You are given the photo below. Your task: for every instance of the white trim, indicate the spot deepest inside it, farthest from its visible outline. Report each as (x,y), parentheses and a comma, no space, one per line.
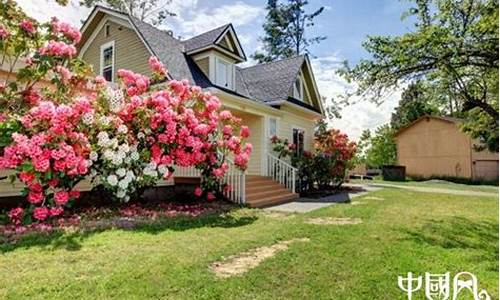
(299,128)
(235,39)
(246,103)
(218,48)
(315,87)
(229,69)
(98,29)
(296,106)
(119,16)
(101,58)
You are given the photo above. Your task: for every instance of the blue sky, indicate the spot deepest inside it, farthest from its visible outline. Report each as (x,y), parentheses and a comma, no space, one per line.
(346,23)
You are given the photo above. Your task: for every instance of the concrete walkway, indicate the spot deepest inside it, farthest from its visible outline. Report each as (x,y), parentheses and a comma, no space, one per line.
(432,190)
(303,205)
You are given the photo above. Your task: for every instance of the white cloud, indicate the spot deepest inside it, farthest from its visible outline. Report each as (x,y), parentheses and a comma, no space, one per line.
(195,21)
(44,10)
(358,116)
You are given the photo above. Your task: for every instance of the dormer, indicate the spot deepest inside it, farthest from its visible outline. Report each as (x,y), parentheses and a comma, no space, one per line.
(303,88)
(216,53)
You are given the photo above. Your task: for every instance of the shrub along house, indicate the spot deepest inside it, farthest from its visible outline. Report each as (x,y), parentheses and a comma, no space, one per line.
(435,146)
(277,98)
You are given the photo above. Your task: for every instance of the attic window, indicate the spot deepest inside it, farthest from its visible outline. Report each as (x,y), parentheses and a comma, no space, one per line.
(224,73)
(107,61)
(298,89)
(107,30)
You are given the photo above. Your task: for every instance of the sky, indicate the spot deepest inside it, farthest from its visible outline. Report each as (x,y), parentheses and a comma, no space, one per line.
(345,23)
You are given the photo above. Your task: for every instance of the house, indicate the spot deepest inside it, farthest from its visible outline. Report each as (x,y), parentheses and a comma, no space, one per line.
(276,98)
(435,146)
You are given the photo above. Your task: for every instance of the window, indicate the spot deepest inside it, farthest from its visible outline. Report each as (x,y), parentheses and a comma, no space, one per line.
(298,140)
(224,74)
(107,30)
(108,61)
(273,128)
(297,89)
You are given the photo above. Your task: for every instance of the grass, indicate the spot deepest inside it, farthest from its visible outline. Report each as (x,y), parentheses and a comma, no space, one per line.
(435,184)
(408,231)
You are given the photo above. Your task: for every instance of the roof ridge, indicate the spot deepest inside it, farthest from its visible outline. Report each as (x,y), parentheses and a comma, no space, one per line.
(275,61)
(214,29)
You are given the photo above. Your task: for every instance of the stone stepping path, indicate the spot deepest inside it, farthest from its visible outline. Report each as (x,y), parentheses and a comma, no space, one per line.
(334,221)
(241,263)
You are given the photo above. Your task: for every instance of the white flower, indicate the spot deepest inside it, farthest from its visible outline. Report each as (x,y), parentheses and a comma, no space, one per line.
(124,147)
(112,180)
(121,194)
(104,120)
(113,143)
(141,135)
(115,99)
(122,129)
(121,172)
(163,169)
(103,135)
(134,155)
(88,118)
(126,199)
(108,154)
(117,160)
(93,156)
(130,174)
(123,184)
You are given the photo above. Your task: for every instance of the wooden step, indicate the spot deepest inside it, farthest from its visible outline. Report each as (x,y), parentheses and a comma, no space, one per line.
(266,194)
(263,187)
(274,200)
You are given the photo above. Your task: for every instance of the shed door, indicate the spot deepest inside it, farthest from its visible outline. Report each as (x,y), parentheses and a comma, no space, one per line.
(486,169)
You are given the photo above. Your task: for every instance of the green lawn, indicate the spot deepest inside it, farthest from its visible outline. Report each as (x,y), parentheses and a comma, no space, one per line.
(408,231)
(440,185)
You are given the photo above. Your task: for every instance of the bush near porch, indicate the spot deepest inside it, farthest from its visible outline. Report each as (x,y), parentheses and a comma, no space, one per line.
(324,169)
(60,124)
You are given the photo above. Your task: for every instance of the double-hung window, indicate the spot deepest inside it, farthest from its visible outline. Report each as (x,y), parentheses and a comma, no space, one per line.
(108,61)
(224,73)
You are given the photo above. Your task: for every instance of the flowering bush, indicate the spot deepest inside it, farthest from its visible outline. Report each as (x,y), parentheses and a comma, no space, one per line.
(326,165)
(61,125)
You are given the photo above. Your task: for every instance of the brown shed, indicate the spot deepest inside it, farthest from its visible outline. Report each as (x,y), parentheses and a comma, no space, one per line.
(435,146)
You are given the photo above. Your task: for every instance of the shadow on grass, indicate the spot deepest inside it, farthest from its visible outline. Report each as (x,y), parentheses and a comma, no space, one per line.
(72,241)
(461,233)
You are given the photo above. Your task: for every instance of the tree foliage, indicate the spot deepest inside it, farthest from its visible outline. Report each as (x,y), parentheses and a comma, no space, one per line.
(379,149)
(155,11)
(285,30)
(454,49)
(415,102)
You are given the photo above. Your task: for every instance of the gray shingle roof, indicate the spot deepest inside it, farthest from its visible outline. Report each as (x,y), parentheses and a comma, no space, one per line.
(272,81)
(205,39)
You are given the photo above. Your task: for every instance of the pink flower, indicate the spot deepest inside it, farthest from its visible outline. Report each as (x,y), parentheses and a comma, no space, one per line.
(26,177)
(198,192)
(54,48)
(218,172)
(35,197)
(56,211)
(4,33)
(241,160)
(244,131)
(157,66)
(225,115)
(66,29)
(65,74)
(202,129)
(61,197)
(74,194)
(210,196)
(27,26)
(41,213)
(16,215)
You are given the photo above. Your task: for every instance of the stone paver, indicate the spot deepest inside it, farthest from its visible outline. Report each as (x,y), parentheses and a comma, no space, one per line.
(303,205)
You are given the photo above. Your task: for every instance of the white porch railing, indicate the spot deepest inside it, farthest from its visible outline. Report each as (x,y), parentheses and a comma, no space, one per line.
(281,171)
(236,180)
(234,177)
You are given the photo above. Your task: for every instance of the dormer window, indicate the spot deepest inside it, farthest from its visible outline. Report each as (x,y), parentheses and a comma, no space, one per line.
(298,89)
(224,71)
(107,61)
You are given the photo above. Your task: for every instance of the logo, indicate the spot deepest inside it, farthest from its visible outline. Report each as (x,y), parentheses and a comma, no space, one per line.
(437,286)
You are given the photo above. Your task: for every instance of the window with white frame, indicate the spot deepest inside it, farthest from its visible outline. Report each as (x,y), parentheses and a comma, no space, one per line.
(108,61)
(223,73)
(273,127)
(298,89)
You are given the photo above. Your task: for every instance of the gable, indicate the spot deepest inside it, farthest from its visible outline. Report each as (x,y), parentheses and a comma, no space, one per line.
(129,50)
(308,87)
(229,41)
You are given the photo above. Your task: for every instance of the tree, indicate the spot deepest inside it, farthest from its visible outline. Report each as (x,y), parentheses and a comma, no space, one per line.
(415,102)
(285,30)
(454,49)
(381,149)
(145,10)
